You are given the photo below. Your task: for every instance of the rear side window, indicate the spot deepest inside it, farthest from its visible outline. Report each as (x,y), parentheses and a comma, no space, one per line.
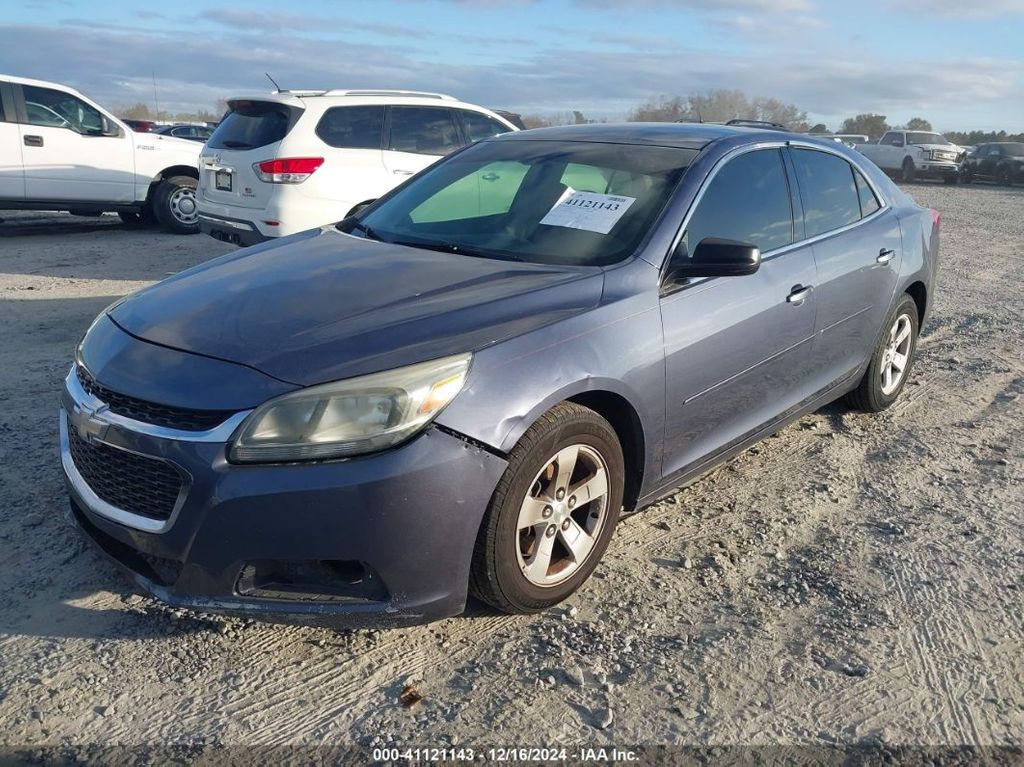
(828,191)
(352,127)
(423,130)
(748,201)
(479,127)
(252,124)
(868,202)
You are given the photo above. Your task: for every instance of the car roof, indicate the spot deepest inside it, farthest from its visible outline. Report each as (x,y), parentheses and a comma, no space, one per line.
(681,135)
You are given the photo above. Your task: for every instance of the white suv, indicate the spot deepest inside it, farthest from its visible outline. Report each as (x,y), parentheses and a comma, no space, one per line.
(296,160)
(61,151)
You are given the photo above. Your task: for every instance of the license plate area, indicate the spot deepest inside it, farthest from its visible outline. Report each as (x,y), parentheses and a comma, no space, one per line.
(222,180)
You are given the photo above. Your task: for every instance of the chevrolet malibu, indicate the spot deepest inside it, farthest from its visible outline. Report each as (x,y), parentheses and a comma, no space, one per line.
(460,389)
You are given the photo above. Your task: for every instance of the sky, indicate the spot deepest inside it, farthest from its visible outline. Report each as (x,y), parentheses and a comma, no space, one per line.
(958,63)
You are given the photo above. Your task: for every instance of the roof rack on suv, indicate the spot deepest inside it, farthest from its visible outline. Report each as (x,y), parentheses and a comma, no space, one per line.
(418,94)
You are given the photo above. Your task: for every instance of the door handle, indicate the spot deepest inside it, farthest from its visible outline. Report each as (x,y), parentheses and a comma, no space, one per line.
(885,255)
(33,140)
(403,172)
(798,294)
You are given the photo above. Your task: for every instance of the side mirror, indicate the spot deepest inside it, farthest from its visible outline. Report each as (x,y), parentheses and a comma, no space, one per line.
(714,257)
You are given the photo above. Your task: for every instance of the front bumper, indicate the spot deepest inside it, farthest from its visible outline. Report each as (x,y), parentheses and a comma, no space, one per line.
(937,169)
(402,524)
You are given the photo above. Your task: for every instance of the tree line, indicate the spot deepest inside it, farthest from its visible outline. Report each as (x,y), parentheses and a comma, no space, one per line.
(721,105)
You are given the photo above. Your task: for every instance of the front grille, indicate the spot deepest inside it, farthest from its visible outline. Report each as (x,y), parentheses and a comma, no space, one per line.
(150,412)
(145,486)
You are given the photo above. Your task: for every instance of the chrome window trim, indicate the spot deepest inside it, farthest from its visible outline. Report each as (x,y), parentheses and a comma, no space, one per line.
(75,396)
(776,144)
(108,510)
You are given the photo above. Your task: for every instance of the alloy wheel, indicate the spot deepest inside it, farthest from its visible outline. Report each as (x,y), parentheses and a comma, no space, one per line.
(562,516)
(896,355)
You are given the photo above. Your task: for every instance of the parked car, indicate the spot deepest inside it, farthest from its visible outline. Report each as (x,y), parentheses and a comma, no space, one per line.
(61,151)
(462,386)
(140,126)
(191,132)
(294,160)
(1001,162)
(915,154)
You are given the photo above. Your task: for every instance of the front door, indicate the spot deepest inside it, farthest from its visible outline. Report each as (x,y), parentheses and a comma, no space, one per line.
(737,349)
(68,154)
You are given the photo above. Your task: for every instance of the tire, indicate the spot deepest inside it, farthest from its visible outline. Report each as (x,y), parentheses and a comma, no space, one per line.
(508,545)
(872,394)
(140,219)
(174,205)
(908,173)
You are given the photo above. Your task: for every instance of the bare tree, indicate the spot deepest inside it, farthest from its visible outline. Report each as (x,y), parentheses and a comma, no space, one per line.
(719,106)
(870,125)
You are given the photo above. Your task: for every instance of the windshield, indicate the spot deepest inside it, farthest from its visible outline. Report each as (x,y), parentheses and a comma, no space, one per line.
(549,202)
(926,138)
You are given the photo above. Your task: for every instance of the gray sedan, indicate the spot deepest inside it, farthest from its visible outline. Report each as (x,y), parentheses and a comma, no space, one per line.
(461,388)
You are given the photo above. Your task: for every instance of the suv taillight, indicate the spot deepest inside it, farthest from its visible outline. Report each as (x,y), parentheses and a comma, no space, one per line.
(287,170)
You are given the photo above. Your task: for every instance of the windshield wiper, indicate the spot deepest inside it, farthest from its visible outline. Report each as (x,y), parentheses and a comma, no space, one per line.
(370,234)
(461,250)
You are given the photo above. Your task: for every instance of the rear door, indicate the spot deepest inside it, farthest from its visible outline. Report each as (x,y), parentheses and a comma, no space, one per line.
(251,133)
(417,137)
(857,249)
(72,151)
(12,175)
(353,171)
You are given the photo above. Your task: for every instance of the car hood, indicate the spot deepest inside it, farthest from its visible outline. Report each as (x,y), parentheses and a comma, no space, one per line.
(321,305)
(167,143)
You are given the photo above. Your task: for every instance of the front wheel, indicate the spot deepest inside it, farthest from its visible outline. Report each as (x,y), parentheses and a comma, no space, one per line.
(890,363)
(174,205)
(908,172)
(552,514)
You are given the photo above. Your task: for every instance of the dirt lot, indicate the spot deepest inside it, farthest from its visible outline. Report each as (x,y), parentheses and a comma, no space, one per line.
(854,579)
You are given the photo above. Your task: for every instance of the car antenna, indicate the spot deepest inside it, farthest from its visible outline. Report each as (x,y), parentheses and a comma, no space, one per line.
(278,87)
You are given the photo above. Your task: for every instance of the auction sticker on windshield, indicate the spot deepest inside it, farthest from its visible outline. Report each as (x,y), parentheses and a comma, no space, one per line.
(587,210)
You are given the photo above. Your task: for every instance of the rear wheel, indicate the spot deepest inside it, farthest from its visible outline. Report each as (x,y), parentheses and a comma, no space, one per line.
(137,219)
(174,204)
(908,172)
(890,364)
(552,514)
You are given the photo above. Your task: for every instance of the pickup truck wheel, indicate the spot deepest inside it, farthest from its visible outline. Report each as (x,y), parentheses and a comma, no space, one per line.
(909,171)
(139,219)
(890,364)
(174,204)
(552,514)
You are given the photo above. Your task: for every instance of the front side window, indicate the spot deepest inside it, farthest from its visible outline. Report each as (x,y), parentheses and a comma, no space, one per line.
(551,202)
(748,200)
(423,130)
(994,151)
(352,127)
(828,190)
(892,139)
(478,126)
(51,108)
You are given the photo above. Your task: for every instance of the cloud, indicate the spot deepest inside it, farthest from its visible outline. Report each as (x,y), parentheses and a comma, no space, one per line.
(962,9)
(236,18)
(114,67)
(766,6)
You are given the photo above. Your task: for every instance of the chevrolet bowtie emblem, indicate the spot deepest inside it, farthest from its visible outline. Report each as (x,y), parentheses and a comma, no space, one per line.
(83,419)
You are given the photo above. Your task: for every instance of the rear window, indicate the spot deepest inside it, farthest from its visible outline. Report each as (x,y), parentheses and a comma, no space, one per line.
(252,124)
(352,127)
(829,192)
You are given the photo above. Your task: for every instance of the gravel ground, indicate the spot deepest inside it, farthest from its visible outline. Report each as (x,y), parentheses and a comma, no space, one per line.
(854,579)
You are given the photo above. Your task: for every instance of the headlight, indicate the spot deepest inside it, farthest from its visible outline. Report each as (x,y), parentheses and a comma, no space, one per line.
(351,417)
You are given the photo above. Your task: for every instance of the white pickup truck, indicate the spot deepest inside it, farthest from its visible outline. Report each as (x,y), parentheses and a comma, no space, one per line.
(915,154)
(61,151)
